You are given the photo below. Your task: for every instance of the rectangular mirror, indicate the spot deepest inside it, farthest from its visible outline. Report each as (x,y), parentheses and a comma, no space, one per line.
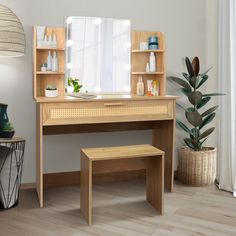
(98,54)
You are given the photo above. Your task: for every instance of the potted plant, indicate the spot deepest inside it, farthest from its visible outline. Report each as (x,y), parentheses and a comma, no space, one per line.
(197,163)
(73,85)
(8,131)
(51,91)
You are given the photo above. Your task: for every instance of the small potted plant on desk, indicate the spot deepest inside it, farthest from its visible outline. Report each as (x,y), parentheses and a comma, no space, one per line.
(197,164)
(74,85)
(51,91)
(8,131)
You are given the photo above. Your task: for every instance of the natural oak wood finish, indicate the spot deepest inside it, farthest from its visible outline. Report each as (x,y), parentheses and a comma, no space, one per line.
(121,113)
(66,114)
(125,158)
(39,154)
(87,112)
(72,178)
(139,59)
(42,79)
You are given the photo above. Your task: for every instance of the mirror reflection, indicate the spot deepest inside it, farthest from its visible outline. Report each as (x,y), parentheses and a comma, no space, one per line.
(98,54)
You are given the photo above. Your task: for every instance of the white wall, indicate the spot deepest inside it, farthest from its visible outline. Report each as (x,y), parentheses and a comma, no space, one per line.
(183,21)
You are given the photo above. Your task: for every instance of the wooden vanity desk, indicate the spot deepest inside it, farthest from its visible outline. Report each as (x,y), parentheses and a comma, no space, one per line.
(63,115)
(67,114)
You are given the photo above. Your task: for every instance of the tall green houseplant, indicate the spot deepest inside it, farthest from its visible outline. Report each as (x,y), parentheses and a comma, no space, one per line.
(197,118)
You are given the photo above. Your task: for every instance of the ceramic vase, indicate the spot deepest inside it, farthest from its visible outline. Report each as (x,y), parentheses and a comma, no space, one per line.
(3,115)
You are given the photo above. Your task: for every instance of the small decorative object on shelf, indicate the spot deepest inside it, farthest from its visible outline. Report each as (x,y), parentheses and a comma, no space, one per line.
(152,62)
(74,85)
(11,164)
(7,131)
(44,67)
(153,43)
(143,46)
(51,91)
(140,86)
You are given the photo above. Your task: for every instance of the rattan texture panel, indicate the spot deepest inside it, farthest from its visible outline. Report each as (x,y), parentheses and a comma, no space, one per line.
(63,113)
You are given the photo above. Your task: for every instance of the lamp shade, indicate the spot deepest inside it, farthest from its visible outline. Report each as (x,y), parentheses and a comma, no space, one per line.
(12,37)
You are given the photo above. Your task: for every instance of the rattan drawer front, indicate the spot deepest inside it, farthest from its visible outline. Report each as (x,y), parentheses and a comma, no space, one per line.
(101,112)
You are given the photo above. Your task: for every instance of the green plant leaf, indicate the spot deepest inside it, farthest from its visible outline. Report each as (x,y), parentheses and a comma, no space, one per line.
(190,143)
(212,94)
(195,97)
(196,66)
(189,109)
(181,82)
(194,118)
(203,102)
(202,142)
(195,133)
(186,76)
(194,81)
(183,126)
(184,91)
(207,120)
(189,67)
(209,111)
(204,78)
(206,133)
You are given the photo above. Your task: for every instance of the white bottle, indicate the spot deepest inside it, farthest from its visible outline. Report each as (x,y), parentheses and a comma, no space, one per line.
(152,62)
(140,86)
(147,67)
(54,41)
(54,62)
(49,41)
(45,41)
(49,61)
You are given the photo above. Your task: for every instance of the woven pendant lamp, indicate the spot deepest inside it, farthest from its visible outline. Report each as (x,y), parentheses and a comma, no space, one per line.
(12,37)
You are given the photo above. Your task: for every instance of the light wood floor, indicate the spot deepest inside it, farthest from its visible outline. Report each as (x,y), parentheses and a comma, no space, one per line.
(121,209)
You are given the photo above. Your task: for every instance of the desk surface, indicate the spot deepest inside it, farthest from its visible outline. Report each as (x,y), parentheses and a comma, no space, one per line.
(103,98)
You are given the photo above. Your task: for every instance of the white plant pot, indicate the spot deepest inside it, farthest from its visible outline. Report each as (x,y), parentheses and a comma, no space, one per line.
(51,93)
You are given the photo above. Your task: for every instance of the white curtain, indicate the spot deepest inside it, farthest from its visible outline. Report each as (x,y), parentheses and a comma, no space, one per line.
(227,84)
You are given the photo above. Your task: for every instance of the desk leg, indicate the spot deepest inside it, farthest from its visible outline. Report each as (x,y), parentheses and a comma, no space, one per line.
(155,183)
(163,138)
(39,155)
(86,187)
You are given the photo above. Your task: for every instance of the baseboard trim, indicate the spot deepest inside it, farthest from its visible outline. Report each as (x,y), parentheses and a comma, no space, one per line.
(28,186)
(73,178)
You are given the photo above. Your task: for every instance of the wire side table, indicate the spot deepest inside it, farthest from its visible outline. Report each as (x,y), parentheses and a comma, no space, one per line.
(11,164)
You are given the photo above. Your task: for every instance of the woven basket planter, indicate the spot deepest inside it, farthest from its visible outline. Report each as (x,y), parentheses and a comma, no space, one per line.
(197,168)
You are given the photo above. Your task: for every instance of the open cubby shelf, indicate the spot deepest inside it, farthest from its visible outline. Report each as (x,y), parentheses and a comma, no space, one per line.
(139,59)
(44,78)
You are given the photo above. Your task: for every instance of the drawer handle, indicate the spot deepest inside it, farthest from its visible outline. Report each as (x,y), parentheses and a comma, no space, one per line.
(111,104)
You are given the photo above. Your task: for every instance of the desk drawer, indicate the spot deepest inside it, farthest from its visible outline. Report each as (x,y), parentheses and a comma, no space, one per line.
(87,112)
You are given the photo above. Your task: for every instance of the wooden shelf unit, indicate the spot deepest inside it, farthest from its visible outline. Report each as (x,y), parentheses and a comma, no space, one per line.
(139,59)
(41,78)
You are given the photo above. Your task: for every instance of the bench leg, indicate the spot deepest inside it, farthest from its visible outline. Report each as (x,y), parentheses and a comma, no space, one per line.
(86,188)
(155,183)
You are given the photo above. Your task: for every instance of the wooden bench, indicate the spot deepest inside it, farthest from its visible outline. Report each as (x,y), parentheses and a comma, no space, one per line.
(122,158)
